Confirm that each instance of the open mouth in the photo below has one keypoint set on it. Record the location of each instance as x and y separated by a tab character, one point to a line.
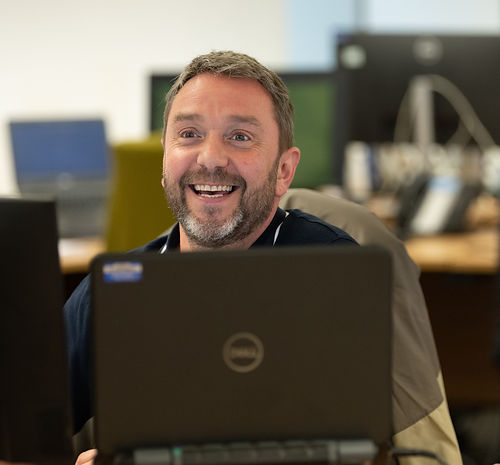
212	191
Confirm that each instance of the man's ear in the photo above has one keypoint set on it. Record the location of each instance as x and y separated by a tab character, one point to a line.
286	169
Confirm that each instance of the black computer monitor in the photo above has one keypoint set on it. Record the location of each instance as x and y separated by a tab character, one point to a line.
159	85
35	419
313	96
374	73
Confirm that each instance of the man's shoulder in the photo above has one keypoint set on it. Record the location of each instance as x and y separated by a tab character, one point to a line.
303	228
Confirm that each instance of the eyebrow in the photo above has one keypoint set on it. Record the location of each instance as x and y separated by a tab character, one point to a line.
243	119
179	117
248	119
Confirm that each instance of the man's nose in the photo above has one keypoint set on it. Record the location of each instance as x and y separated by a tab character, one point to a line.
213	153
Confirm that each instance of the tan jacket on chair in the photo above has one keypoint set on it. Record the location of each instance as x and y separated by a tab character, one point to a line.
420	411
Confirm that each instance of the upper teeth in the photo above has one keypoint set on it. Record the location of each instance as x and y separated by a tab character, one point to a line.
206	187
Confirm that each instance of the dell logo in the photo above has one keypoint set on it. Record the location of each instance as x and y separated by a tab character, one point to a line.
243	352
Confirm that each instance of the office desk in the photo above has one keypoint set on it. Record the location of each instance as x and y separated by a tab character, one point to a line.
76	254
474	252
463	309
459	280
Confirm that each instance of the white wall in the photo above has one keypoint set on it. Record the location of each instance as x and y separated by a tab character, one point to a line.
446	16
313	25
85	58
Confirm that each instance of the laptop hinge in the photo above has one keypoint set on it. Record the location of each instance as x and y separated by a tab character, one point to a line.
334	452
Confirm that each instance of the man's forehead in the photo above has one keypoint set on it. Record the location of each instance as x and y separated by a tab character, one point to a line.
225	79
242	99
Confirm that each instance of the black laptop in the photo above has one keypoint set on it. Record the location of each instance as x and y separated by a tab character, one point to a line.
255	351
35	424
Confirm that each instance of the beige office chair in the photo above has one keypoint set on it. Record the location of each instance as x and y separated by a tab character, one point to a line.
420	411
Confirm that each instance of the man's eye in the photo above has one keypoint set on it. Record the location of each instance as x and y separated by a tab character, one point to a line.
240	137
188	134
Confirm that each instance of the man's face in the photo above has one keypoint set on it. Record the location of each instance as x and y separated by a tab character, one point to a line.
221	160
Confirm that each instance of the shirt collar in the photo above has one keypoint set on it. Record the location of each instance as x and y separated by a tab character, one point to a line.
173	240
268	237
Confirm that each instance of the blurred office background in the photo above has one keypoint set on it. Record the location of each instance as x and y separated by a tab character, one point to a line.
95	60
87	59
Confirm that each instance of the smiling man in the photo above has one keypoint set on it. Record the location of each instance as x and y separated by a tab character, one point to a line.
228	159
223	170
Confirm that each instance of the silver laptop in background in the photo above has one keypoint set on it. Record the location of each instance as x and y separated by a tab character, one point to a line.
69	160
269	346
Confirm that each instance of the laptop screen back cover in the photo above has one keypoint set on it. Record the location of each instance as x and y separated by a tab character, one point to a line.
266	344
47	150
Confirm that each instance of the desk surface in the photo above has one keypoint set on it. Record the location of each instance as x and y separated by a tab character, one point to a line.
473	252
76	254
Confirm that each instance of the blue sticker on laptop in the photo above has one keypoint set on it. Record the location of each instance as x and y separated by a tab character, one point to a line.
122	272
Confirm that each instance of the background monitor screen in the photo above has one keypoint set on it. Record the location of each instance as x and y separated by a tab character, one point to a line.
159	85
313	96
45	149
374	73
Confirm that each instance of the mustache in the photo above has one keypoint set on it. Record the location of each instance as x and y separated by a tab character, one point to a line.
217	176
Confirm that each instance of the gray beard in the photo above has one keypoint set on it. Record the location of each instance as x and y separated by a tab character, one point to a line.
254	208
213	234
